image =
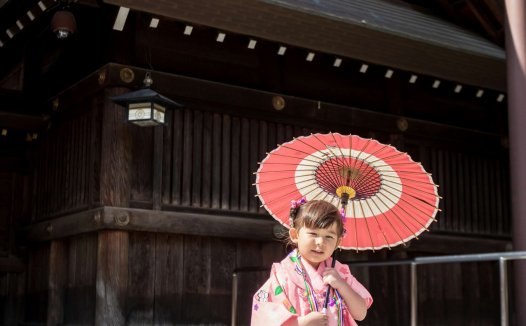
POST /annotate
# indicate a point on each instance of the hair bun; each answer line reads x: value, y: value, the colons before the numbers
x: 294, y: 208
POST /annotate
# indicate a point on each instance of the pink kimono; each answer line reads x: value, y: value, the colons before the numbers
x: 285, y: 294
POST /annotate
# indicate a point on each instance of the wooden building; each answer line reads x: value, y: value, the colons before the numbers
x: 108, y: 223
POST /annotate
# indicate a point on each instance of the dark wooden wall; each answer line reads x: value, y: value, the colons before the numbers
x: 208, y: 158
x: 169, y: 279
x: 67, y: 168
x: 202, y: 162
x: 14, y: 212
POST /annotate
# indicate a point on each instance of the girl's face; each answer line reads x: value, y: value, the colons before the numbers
x: 315, y: 245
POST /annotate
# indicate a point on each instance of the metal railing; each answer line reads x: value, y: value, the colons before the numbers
x: 501, y: 257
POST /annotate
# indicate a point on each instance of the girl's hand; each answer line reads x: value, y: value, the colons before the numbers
x: 354, y: 302
x: 313, y: 319
x: 332, y: 278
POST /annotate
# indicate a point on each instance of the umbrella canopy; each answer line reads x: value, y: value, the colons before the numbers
x: 391, y: 198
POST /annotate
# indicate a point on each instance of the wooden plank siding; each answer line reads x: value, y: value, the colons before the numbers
x: 213, y: 157
x: 63, y: 170
x: 208, y: 151
x: 36, y: 294
x: 129, y: 213
x: 178, y: 286
x: 474, y: 200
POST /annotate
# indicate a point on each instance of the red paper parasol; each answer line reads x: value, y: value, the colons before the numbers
x: 391, y: 198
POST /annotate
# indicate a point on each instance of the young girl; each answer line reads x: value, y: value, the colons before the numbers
x: 296, y: 290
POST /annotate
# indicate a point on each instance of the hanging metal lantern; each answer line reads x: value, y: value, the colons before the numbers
x: 145, y: 107
x: 63, y: 24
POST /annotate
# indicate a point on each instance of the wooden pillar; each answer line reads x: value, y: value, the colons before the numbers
x: 116, y: 153
x: 112, y: 249
x: 112, y: 278
x: 58, y: 273
x: 516, y: 73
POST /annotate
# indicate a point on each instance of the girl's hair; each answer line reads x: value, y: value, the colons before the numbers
x: 317, y: 214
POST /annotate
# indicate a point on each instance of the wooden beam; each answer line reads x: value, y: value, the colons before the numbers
x: 129, y: 219
x: 193, y: 223
x: 21, y: 121
x: 66, y: 226
x: 230, y: 99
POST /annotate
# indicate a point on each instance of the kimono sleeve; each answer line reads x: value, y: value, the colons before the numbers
x: 355, y: 284
x: 270, y: 305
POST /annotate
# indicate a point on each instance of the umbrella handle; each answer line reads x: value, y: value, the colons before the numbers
x: 344, y: 201
x: 329, y: 287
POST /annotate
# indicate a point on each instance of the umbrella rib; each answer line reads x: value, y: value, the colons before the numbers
x: 413, y: 180
x: 339, y: 148
x: 376, y: 152
x: 361, y: 179
x: 298, y: 150
x: 285, y: 163
x: 389, y: 157
x: 336, y: 157
x: 350, y: 158
x: 346, y: 177
x: 296, y: 157
x: 332, y: 181
x: 286, y: 193
x: 363, y: 161
x: 409, y: 215
x: 327, y: 178
x: 285, y: 186
x: 423, y: 201
x: 353, y: 167
x: 367, y: 226
x: 357, y: 182
x: 409, y: 186
x: 266, y: 181
x: 396, y: 164
x: 348, y: 164
x: 263, y: 172
x: 316, y: 149
x: 307, y: 144
x: 326, y: 146
x: 398, y: 217
x: 388, y: 221
x: 330, y: 161
x: 341, y: 158
x: 360, y: 153
x: 334, y: 169
x: 326, y: 195
x: 403, y: 171
x: 329, y: 175
x: 287, y: 206
x: 379, y: 226
x: 347, y: 180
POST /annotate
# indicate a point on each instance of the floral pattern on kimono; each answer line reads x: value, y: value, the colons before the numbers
x: 284, y: 295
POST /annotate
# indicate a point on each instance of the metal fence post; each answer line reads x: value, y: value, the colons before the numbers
x: 234, y: 299
x: 414, y: 295
x: 503, y: 273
